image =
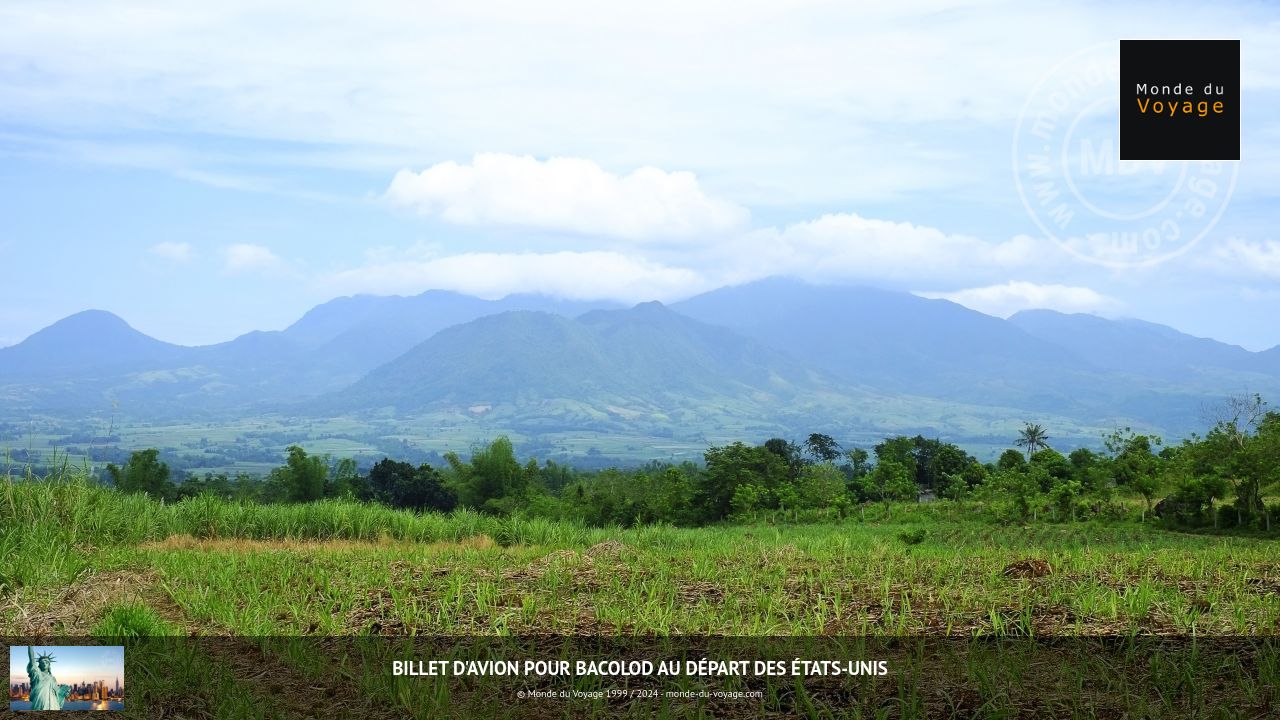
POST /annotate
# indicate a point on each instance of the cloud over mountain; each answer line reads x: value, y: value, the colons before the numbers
x: 567, y: 194
x: 589, y: 275
x: 1008, y: 298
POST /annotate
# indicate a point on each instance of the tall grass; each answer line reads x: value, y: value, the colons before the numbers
x: 48, y: 526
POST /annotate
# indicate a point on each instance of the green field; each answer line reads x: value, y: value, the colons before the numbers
x: 84, y: 560
x: 337, y: 567
x: 837, y: 579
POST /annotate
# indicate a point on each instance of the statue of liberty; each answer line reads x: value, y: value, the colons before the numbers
x: 46, y: 693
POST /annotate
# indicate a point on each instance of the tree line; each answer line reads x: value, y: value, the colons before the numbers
x: 1216, y: 480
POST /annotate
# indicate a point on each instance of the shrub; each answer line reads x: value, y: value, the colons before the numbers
x: 914, y: 536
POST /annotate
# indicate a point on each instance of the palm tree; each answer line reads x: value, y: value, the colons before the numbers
x: 1033, y: 437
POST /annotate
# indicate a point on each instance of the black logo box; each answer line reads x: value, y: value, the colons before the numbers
x: 1187, y: 68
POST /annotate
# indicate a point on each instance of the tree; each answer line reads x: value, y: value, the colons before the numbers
x: 1064, y: 497
x: 822, y: 486
x: 385, y: 478
x: 304, y: 477
x: 1138, y: 468
x: 1248, y: 437
x: 347, y: 482
x: 954, y: 487
x: 670, y: 495
x: 730, y: 466
x: 1019, y: 489
x: 822, y: 447
x: 217, y: 485
x: 787, y: 497
x: 493, y: 481
x: 143, y: 473
x: 1089, y: 469
x: 859, y: 462
x: 974, y: 473
x: 893, y: 482
x: 747, y: 500
x: 1033, y: 437
x: 1239, y: 455
x: 789, y: 452
x: 555, y: 476
x: 899, y: 450
x: 937, y: 460
x: 1193, y: 498
x: 246, y: 487
x: 1011, y: 460
x: 1054, y: 468
x: 425, y: 490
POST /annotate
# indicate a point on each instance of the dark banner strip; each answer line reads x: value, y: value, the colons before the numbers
x: 572, y: 677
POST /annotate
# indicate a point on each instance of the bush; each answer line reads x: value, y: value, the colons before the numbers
x: 914, y: 536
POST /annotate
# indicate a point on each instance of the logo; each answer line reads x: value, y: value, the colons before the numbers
x: 1180, y: 99
x: 1075, y: 186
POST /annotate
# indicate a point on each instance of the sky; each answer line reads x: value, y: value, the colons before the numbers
x: 206, y: 169
x: 72, y: 664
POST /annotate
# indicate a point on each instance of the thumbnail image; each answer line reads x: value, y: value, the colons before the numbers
x: 70, y: 677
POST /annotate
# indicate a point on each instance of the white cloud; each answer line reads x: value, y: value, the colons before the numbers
x: 791, y: 108
x: 832, y: 248
x: 244, y: 257
x: 808, y: 98
x: 1237, y: 256
x: 1008, y: 298
x: 179, y: 252
x: 847, y: 246
x: 563, y: 193
x: 595, y: 275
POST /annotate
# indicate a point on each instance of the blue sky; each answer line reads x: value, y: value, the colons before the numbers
x: 72, y: 664
x: 206, y: 169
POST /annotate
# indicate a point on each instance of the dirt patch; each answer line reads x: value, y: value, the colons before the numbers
x: 607, y: 550
x: 567, y: 561
x: 82, y: 604
x: 576, y: 575
x: 1263, y: 586
x: 578, y: 567
x: 692, y: 593
x: 1027, y: 568
x: 376, y: 616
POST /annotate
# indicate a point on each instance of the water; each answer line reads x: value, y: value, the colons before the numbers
x: 72, y: 705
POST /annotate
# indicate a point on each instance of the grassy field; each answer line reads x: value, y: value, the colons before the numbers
x: 836, y: 579
x: 82, y: 560
x: 337, y: 568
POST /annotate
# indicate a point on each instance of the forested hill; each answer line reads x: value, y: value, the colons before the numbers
x: 643, y: 360
x: 767, y: 355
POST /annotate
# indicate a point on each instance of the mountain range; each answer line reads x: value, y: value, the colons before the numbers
x: 94, y: 358
x: 776, y: 354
